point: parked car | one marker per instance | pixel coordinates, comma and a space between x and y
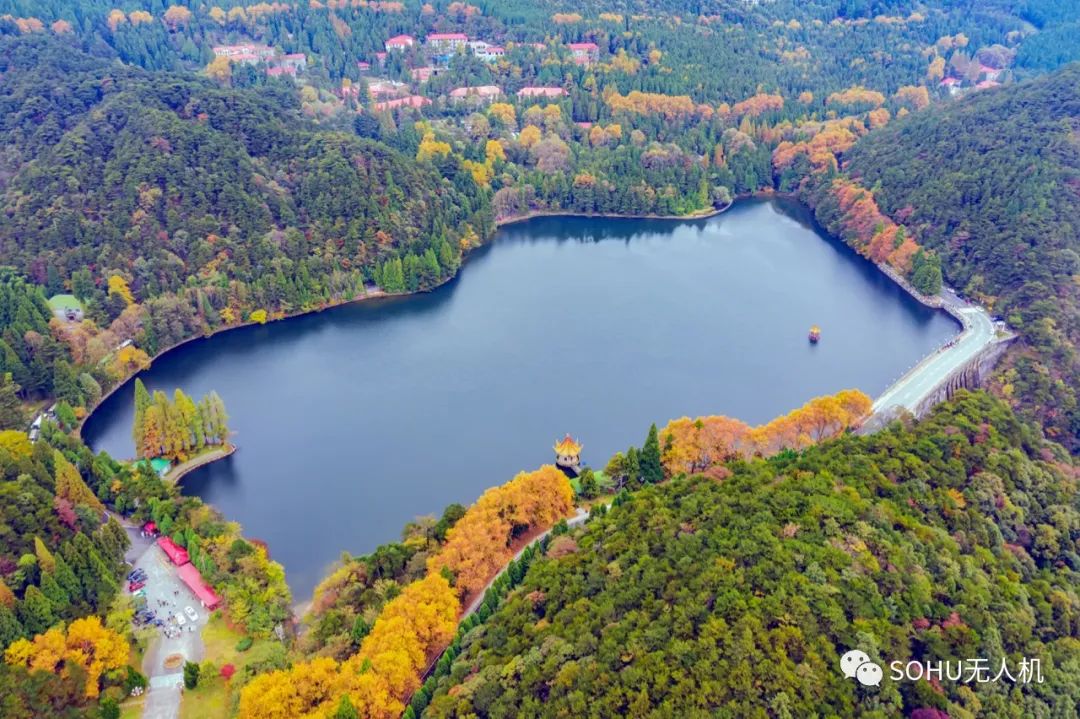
140, 593
180, 619
191, 614
136, 586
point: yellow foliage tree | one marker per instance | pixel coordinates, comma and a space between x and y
176, 16
430, 147
16, 442
87, 643
530, 135
119, 286
258, 316
219, 69
504, 113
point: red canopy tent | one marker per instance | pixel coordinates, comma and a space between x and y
191, 577
177, 554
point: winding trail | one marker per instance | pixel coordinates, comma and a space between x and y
577, 520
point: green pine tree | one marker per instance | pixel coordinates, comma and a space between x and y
345, 709
651, 469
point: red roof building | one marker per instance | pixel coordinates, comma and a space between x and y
190, 576
176, 554
585, 53
541, 92
422, 74
452, 40
413, 101
480, 92
399, 42
150, 528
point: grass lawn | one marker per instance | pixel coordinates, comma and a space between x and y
132, 708
209, 700
64, 302
213, 697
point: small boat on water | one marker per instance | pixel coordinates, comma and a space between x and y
815, 334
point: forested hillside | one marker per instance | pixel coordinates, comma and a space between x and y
949, 539
58, 562
64, 614
992, 184
170, 207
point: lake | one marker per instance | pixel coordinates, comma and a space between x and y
352, 421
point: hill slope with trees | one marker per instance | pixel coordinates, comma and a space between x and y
171, 207
992, 184
950, 539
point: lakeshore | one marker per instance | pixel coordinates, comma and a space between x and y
546, 330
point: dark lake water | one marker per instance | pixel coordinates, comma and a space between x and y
353, 421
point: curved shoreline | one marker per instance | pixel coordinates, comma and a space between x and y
376, 292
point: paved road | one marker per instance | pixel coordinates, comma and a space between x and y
163, 695
579, 518
909, 390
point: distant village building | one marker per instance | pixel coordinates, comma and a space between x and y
386, 89
541, 92
363, 66
295, 60
414, 101
485, 51
951, 84
423, 74
568, 454
584, 53
478, 94
990, 73
380, 57
247, 52
399, 42
452, 41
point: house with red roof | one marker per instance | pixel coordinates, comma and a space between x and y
190, 576
399, 42
413, 101
584, 53
176, 554
541, 92
486, 51
479, 94
446, 40
423, 74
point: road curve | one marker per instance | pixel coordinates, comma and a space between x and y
579, 518
909, 390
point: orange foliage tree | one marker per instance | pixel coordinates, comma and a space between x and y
694, 446
479, 544
653, 103
856, 96
758, 105
413, 627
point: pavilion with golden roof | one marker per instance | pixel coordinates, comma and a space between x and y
568, 454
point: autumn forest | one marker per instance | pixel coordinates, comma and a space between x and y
173, 169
